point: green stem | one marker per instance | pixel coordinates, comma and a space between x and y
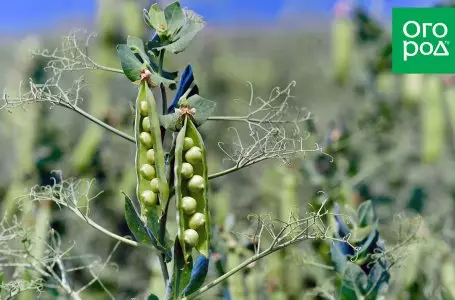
162, 87
97, 121
248, 119
240, 267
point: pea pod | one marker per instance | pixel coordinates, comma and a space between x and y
193, 216
152, 187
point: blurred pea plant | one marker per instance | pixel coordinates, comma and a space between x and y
179, 171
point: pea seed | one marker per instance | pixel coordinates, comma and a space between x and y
149, 198
146, 139
151, 156
187, 143
155, 185
148, 171
193, 155
197, 221
187, 170
146, 124
144, 108
196, 183
189, 205
191, 237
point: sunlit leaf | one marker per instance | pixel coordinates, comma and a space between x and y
131, 66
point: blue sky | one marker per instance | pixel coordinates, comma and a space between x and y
23, 16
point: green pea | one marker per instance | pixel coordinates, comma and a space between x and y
151, 156
148, 172
191, 237
197, 221
187, 170
193, 155
149, 198
144, 108
155, 185
187, 143
146, 124
189, 205
146, 139
196, 183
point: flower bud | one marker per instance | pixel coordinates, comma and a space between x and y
189, 205
146, 124
144, 108
187, 143
193, 155
197, 221
187, 170
151, 156
196, 183
148, 171
155, 185
149, 198
146, 139
191, 237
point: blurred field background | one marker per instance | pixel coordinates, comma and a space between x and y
398, 152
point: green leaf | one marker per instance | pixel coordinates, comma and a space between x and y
181, 273
353, 279
175, 17
157, 18
171, 122
204, 108
198, 275
137, 46
143, 233
366, 214
185, 36
133, 41
157, 79
131, 66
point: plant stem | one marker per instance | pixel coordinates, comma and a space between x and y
248, 119
97, 121
164, 269
233, 169
162, 87
243, 265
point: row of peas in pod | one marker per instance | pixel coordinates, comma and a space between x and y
152, 186
190, 172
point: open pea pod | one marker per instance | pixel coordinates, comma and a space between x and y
152, 188
191, 182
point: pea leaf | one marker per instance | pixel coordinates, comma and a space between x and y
181, 41
198, 275
366, 214
131, 66
175, 17
181, 273
171, 122
204, 109
354, 279
153, 297
156, 17
337, 253
135, 42
142, 232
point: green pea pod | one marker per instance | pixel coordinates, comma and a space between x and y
412, 88
342, 48
191, 182
433, 120
150, 165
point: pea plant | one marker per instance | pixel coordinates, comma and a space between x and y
175, 173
